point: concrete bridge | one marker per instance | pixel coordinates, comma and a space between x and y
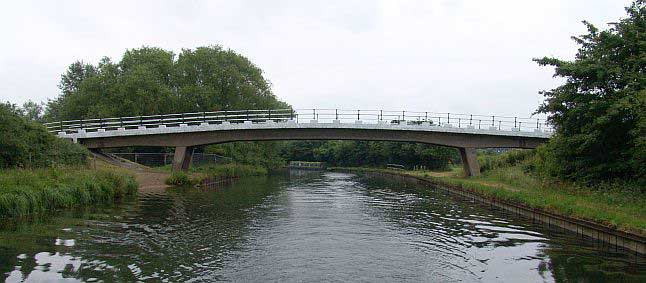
184, 131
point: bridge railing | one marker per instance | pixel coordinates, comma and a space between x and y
489, 122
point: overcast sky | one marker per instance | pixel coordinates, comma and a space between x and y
459, 56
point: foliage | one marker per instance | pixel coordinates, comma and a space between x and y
265, 154
27, 192
233, 170
223, 171
26, 143
600, 111
151, 80
371, 153
490, 160
179, 179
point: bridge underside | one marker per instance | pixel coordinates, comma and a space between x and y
184, 142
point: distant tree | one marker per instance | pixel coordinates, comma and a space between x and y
600, 111
152, 80
32, 111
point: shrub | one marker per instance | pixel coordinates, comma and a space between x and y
178, 179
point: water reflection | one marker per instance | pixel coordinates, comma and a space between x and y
304, 226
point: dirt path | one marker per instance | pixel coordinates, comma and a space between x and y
149, 179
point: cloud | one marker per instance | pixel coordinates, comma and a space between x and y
457, 56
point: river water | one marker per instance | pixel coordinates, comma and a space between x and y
304, 226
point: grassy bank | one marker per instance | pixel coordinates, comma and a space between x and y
28, 192
216, 172
612, 205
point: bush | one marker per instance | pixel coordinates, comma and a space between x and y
179, 179
489, 161
234, 170
27, 144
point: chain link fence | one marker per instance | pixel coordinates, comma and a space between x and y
163, 159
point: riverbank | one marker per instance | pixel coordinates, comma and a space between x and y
614, 210
38, 191
214, 174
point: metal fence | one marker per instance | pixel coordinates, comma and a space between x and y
491, 122
162, 159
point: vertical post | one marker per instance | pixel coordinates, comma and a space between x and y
182, 158
61, 124
479, 122
492, 120
470, 119
336, 114
537, 127
499, 125
358, 115
514, 122
381, 115
314, 114
82, 124
121, 122
204, 116
269, 114
459, 122
448, 118
469, 161
403, 115
425, 116
520, 125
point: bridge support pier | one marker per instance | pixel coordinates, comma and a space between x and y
469, 161
182, 158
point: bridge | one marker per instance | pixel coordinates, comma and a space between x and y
184, 131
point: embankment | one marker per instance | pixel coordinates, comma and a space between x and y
516, 201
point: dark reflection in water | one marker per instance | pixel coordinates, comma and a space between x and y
305, 226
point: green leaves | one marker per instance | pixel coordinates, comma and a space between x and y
151, 80
598, 111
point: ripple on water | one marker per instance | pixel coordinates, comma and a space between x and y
312, 227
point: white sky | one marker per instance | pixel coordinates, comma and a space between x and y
468, 56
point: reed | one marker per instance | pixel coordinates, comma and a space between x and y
26, 192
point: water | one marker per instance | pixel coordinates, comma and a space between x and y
312, 226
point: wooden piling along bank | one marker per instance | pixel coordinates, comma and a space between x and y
602, 235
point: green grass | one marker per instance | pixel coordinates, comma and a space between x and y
28, 192
229, 170
614, 205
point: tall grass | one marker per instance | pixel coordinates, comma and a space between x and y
26, 192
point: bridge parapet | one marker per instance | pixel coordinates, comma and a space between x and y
310, 116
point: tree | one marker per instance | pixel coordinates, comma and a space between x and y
26, 143
599, 112
152, 80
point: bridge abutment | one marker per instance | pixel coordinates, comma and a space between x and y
469, 161
182, 158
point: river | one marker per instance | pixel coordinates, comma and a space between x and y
304, 226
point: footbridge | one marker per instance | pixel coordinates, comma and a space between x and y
184, 131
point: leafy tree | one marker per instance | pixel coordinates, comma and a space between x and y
599, 112
152, 80
26, 143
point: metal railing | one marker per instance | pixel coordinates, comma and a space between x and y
489, 122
